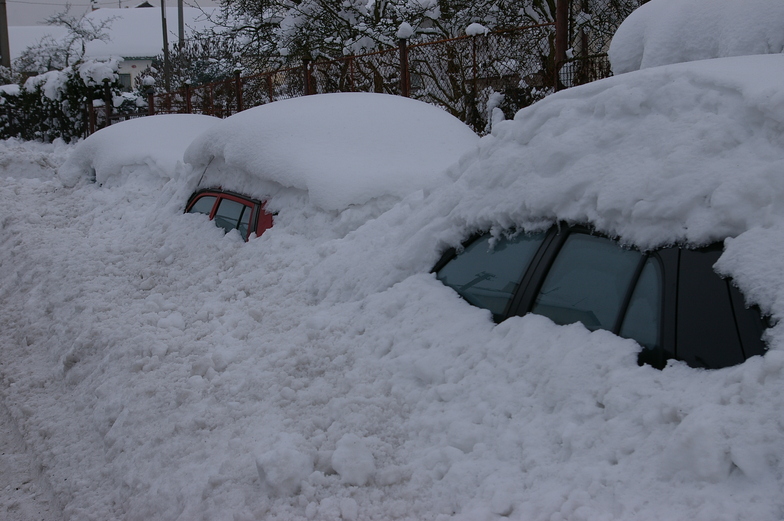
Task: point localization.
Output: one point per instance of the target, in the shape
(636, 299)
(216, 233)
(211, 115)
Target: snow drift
(662, 32)
(342, 149)
(156, 143)
(160, 369)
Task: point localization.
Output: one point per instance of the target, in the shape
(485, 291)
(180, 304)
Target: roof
(133, 32)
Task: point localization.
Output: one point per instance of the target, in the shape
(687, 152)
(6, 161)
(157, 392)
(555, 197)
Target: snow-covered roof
(661, 32)
(134, 33)
(342, 149)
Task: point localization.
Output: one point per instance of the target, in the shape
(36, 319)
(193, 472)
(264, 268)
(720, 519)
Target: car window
(588, 282)
(707, 335)
(643, 315)
(203, 205)
(229, 214)
(245, 221)
(488, 271)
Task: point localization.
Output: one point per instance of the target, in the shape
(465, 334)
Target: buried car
(150, 146)
(669, 299)
(648, 187)
(341, 150)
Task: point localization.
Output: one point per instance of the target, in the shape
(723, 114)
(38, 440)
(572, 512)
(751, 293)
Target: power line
(57, 3)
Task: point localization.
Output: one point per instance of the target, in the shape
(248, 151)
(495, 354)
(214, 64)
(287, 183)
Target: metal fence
(466, 76)
(459, 75)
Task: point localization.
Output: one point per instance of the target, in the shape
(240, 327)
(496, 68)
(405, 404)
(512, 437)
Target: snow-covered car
(231, 211)
(669, 300)
(659, 178)
(149, 147)
(340, 150)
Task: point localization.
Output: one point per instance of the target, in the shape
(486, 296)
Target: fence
(462, 75)
(459, 75)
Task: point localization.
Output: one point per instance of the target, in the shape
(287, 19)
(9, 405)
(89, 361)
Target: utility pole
(166, 62)
(5, 49)
(181, 24)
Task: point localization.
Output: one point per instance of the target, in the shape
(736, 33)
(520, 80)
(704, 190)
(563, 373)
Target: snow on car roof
(673, 31)
(687, 153)
(342, 149)
(154, 142)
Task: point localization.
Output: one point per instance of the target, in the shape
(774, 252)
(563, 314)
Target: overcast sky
(34, 12)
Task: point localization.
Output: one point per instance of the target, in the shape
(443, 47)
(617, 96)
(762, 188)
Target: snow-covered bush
(54, 104)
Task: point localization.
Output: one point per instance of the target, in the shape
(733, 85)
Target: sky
(35, 12)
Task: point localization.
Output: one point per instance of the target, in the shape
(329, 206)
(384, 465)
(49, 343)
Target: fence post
(150, 102)
(107, 99)
(405, 72)
(561, 38)
(269, 88)
(188, 107)
(308, 78)
(91, 115)
(238, 88)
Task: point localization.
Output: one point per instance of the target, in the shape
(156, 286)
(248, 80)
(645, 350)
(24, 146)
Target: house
(135, 35)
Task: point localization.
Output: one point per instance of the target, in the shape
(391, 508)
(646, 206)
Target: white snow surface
(132, 33)
(159, 369)
(662, 32)
(342, 149)
(152, 145)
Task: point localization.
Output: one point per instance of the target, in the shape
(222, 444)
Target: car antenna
(205, 171)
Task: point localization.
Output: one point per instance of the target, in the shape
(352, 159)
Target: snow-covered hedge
(54, 104)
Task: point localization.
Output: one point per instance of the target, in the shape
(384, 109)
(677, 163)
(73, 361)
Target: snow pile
(476, 29)
(52, 83)
(31, 159)
(155, 143)
(160, 369)
(342, 149)
(95, 72)
(662, 32)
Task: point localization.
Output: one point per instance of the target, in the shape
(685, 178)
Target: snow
(12, 89)
(389, 146)
(476, 29)
(151, 145)
(133, 33)
(405, 31)
(160, 369)
(663, 32)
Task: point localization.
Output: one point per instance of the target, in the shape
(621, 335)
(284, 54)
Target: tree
(51, 53)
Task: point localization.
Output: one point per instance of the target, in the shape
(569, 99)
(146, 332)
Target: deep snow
(159, 369)
(662, 32)
(341, 149)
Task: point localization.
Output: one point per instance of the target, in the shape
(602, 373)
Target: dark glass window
(588, 282)
(670, 301)
(244, 222)
(229, 214)
(706, 332)
(203, 205)
(643, 316)
(487, 274)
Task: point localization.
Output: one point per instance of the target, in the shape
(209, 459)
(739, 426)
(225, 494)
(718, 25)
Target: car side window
(707, 335)
(230, 213)
(643, 315)
(203, 205)
(245, 221)
(588, 282)
(488, 272)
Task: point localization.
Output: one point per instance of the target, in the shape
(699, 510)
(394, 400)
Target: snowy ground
(155, 368)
